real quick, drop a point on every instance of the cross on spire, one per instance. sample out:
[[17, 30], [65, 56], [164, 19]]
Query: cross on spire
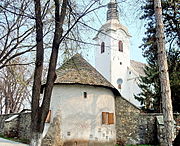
[[112, 12]]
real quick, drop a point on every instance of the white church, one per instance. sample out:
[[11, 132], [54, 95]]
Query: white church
[[84, 97], [112, 59]]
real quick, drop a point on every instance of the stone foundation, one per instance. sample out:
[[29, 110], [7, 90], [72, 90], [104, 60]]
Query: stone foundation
[[18, 127], [132, 127]]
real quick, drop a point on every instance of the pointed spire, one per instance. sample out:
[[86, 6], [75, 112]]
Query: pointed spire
[[112, 12]]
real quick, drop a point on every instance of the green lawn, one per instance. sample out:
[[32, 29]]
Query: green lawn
[[16, 139]]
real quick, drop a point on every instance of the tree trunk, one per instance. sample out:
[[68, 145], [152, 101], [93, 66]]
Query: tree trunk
[[39, 113], [36, 139], [35, 120], [164, 76]]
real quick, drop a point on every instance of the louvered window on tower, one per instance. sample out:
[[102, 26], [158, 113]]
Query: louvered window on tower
[[107, 118], [120, 44], [102, 47]]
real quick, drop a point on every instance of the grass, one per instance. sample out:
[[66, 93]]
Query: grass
[[26, 141]]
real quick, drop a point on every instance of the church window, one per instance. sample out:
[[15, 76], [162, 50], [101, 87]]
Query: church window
[[102, 47], [107, 118], [120, 45], [48, 118], [120, 63], [85, 94]]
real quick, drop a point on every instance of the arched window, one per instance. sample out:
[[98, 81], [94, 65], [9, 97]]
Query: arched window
[[102, 47], [120, 44]]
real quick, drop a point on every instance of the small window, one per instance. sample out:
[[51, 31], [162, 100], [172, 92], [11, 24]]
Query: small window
[[85, 94], [68, 133], [120, 63], [48, 118], [102, 47], [107, 118], [120, 45]]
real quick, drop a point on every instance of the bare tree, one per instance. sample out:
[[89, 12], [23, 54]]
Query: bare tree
[[15, 30], [14, 88], [164, 76], [39, 112]]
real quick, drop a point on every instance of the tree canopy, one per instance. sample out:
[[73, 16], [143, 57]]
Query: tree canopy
[[150, 84]]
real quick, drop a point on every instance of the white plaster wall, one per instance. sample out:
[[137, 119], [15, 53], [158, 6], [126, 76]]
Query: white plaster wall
[[82, 117], [132, 87], [108, 63], [119, 70], [102, 60]]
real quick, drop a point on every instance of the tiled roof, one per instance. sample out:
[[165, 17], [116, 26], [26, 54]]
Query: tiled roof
[[138, 67], [78, 71]]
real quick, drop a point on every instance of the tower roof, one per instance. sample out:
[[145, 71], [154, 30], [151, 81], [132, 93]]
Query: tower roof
[[112, 20], [78, 71], [112, 12]]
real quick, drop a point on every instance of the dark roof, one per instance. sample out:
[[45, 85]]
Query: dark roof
[[78, 71]]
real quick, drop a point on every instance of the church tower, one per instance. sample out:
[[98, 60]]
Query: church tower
[[112, 56]]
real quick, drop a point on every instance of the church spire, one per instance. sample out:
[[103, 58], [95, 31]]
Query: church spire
[[112, 12]]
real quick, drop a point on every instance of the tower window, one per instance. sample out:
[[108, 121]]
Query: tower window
[[120, 45], [102, 47]]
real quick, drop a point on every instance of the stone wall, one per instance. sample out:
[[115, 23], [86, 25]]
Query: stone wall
[[2, 121], [18, 127], [134, 127], [24, 125], [127, 117]]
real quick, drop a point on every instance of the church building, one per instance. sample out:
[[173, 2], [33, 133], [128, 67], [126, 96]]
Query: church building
[[112, 56], [89, 100]]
